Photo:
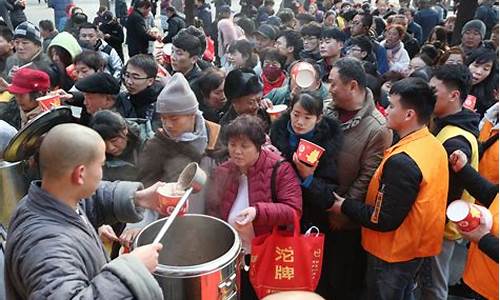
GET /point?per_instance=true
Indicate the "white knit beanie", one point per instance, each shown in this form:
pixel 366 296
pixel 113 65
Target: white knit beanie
pixel 177 98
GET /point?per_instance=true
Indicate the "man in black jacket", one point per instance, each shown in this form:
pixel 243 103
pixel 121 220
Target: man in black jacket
pixel 175 24
pixel 113 32
pixel 204 13
pixel 186 49
pixel 142 90
pixel 138 36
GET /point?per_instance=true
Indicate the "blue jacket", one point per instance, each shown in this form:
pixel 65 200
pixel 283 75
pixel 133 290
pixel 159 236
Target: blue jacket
pixel 489 15
pixel 428 18
pixel 59 7
pixel 416 31
pixel 381 55
pixel 204 13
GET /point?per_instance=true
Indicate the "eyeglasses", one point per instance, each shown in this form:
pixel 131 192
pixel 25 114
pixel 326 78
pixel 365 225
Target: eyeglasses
pixel 134 77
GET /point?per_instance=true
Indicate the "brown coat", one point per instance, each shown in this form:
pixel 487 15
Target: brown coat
pixel 164 159
pixel 365 139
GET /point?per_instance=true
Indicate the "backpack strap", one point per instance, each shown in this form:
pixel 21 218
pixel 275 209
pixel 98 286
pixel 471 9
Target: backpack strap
pixel 107 49
pixel 487 144
pixel 273 180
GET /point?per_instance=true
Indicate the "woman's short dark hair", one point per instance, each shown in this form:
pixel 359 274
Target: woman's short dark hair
pixel 273 54
pixel 142 4
pixel 452 50
pixel 108 124
pixel 430 54
pixel 247 126
pixel 482 56
pixel 91 59
pixel 246 49
pixel 209 80
pixel 441 35
pixel 311 104
pixel 144 62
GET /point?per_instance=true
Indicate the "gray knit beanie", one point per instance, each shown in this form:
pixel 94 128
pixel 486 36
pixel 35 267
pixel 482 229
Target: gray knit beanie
pixel 29 31
pixel 177 98
pixel 476 25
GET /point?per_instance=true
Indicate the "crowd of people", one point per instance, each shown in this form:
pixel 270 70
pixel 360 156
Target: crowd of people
pixel 407 115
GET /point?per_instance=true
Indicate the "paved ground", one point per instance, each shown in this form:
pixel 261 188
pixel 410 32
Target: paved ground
pixel 39 11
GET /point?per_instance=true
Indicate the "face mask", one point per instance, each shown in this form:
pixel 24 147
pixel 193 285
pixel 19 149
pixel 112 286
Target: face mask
pixel 272 72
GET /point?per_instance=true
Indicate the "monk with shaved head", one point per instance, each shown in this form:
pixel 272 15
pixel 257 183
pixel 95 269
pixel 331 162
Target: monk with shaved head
pixel 53 250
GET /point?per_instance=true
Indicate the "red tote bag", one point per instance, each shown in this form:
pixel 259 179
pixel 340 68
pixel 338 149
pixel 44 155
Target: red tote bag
pixel 284 261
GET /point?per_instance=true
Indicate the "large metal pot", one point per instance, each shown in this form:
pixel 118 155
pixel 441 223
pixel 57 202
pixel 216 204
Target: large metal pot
pixel 200 259
pixel 13 186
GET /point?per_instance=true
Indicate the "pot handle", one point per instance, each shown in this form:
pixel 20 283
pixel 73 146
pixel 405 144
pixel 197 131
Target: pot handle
pixel 228 287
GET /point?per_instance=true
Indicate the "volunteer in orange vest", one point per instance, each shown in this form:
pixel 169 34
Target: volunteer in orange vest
pixel 488 136
pixel 457 128
pixel 481 269
pixel 403 215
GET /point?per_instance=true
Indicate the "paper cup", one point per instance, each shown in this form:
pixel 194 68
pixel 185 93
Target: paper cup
pixel 276 111
pixel 169 195
pixel 309 153
pixel 466 215
pixel 48 102
pixel 304 74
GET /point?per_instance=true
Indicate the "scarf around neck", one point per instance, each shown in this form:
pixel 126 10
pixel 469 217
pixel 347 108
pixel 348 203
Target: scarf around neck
pixel 198 138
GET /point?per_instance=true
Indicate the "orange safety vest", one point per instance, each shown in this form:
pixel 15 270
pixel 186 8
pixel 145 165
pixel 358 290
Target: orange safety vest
pixel 488 165
pixel 421 233
pixel 481 272
pixel 448 132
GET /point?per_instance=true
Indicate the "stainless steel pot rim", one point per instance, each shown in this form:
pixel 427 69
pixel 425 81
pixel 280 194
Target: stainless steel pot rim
pixel 200 269
pixel 181 274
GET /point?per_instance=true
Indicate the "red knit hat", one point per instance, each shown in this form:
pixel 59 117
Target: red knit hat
pixel 27 80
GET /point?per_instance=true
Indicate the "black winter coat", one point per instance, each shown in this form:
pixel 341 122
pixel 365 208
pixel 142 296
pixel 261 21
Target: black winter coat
pixel 116 36
pixel 143 102
pixel 329 136
pixel 137 36
pixel 175 24
pixel 17 15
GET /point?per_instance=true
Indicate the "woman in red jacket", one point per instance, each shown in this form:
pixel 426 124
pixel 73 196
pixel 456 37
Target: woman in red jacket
pixel 240 189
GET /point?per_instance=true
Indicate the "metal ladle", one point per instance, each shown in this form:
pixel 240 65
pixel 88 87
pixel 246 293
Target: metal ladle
pixel 192 178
